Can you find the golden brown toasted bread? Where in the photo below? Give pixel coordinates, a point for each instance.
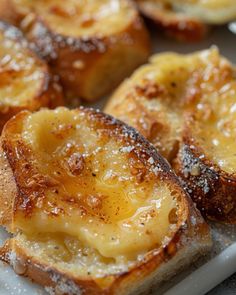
(188, 100)
(92, 45)
(96, 209)
(188, 20)
(25, 80)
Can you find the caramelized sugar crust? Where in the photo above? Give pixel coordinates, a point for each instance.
(187, 100)
(25, 81)
(83, 174)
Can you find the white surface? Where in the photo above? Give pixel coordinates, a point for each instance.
(210, 274)
(12, 284)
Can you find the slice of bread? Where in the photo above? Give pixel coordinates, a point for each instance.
(187, 20)
(187, 103)
(25, 80)
(91, 45)
(175, 24)
(94, 209)
(214, 12)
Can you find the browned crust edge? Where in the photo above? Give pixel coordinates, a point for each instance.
(89, 51)
(212, 189)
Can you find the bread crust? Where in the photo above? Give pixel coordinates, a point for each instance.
(175, 25)
(210, 187)
(7, 183)
(192, 233)
(89, 66)
(47, 94)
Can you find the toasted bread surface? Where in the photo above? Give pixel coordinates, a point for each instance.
(89, 189)
(154, 98)
(25, 80)
(86, 42)
(188, 99)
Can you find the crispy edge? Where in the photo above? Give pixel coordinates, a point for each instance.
(8, 190)
(175, 25)
(212, 189)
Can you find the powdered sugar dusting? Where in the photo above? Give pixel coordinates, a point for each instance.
(50, 290)
(48, 45)
(126, 149)
(12, 257)
(65, 286)
(192, 167)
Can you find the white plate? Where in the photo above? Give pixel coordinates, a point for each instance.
(204, 274)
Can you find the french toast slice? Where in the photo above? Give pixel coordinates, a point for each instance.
(214, 12)
(25, 80)
(188, 20)
(91, 45)
(174, 24)
(96, 210)
(185, 104)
